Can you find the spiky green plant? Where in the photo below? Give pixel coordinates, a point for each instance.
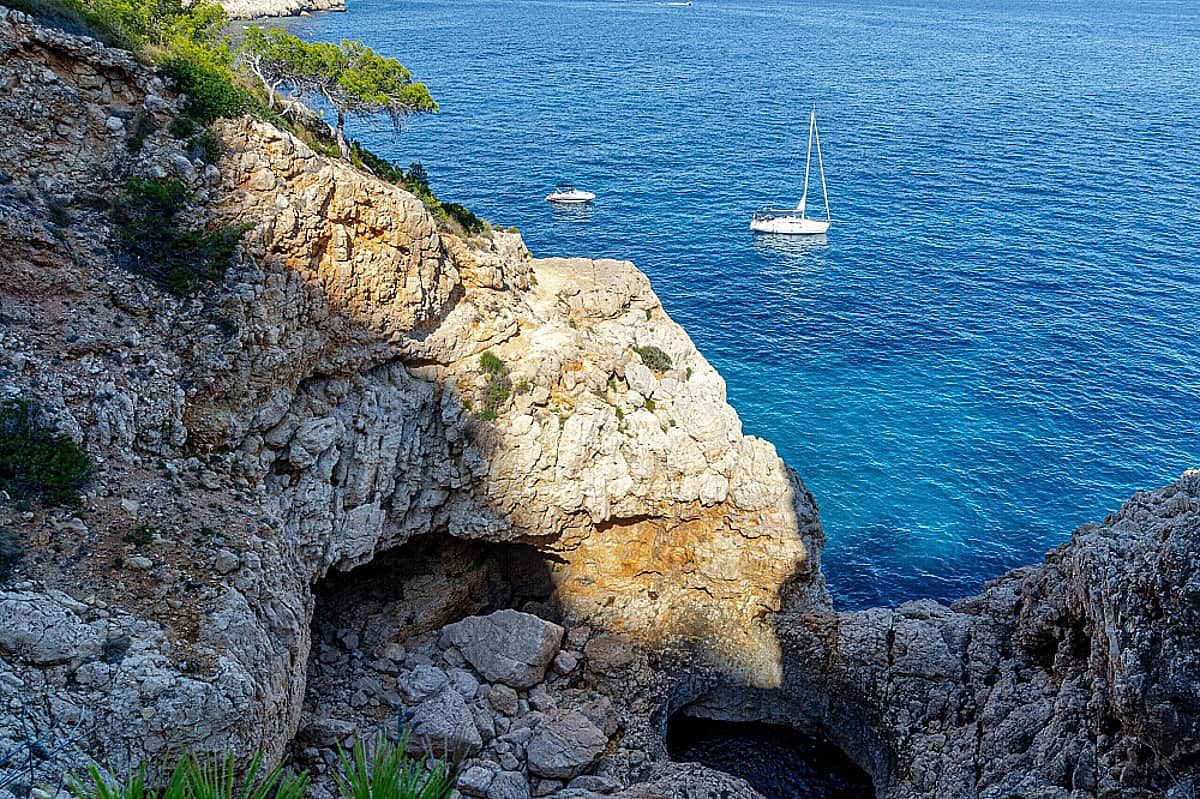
(385, 770)
(196, 777)
(215, 777)
(106, 785)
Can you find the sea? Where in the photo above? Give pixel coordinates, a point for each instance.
(997, 341)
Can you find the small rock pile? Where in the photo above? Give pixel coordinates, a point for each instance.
(509, 696)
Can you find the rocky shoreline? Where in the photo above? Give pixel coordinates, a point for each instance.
(256, 9)
(317, 510)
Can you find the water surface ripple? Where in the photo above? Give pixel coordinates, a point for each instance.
(997, 341)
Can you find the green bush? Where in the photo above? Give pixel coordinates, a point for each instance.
(654, 358)
(37, 461)
(207, 80)
(498, 392)
(152, 243)
(463, 217)
(499, 386)
(207, 146)
(492, 364)
(386, 771)
(10, 551)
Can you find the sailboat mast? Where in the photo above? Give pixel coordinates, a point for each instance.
(812, 121)
(820, 167)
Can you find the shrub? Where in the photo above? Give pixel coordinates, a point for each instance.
(10, 551)
(499, 386)
(492, 364)
(498, 392)
(152, 243)
(381, 168)
(466, 220)
(208, 84)
(654, 358)
(386, 771)
(35, 459)
(207, 146)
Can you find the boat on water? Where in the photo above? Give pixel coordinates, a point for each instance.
(794, 220)
(566, 194)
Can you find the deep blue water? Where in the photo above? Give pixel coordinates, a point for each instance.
(998, 340)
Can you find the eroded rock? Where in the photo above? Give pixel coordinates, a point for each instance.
(507, 646)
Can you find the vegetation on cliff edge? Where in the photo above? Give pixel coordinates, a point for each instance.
(152, 242)
(37, 461)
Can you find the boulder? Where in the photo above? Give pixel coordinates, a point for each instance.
(565, 745)
(507, 646)
(444, 726)
(508, 785)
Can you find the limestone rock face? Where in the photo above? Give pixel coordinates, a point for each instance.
(1079, 677)
(252, 9)
(327, 405)
(324, 404)
(507, 646)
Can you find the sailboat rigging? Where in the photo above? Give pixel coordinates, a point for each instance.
(793, 220)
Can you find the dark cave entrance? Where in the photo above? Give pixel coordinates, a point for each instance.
(780, 762)
(424, 585)
(373, 625)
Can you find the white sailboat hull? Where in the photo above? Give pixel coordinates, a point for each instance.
(793, 221)
(791, 225)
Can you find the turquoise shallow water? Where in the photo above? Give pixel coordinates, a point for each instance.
(998, 340)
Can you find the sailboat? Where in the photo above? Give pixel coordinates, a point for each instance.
(793, 220)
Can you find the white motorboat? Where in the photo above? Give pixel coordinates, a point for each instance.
(567, 194)
(793, 220)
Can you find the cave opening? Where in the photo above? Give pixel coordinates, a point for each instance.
(778, 761)
(374, 624)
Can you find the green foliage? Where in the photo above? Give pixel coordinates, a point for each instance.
(215, 777)
(650, 405)
(10, 552)
(499, 386)
(654, 358)
(386, 771)
(207, 146)
(498, 392)
(466, 220)
(492, 364)
(195, 777)
(381, 168)
(417, 176)
(152, 243)
(133, 24)
(37, 461)
(204, 75)
(352, 77)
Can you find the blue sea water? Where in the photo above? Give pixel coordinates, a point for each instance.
(998, 340)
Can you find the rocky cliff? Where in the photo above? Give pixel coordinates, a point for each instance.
(1076, 678)
(253, 9)
(323, 408)
(318, 506)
